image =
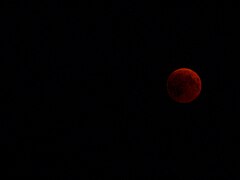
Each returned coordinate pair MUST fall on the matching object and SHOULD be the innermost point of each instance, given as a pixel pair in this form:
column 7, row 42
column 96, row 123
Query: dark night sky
column 83, row 90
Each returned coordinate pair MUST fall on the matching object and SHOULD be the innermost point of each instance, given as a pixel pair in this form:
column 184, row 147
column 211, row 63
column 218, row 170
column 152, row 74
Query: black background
column 83, row 89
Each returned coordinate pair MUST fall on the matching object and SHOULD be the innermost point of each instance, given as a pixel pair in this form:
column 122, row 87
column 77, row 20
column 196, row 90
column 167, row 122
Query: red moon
column 184, row 85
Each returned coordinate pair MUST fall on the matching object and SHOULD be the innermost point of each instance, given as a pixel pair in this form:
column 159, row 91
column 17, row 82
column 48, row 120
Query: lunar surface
column 184, row 85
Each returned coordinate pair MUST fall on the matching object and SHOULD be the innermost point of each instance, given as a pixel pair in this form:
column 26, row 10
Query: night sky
column 84, row 96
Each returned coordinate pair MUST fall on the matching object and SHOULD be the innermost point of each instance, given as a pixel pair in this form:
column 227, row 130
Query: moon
column 184, row 85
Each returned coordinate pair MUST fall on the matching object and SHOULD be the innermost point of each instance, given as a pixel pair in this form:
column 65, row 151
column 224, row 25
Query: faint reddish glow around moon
column 184, row 85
